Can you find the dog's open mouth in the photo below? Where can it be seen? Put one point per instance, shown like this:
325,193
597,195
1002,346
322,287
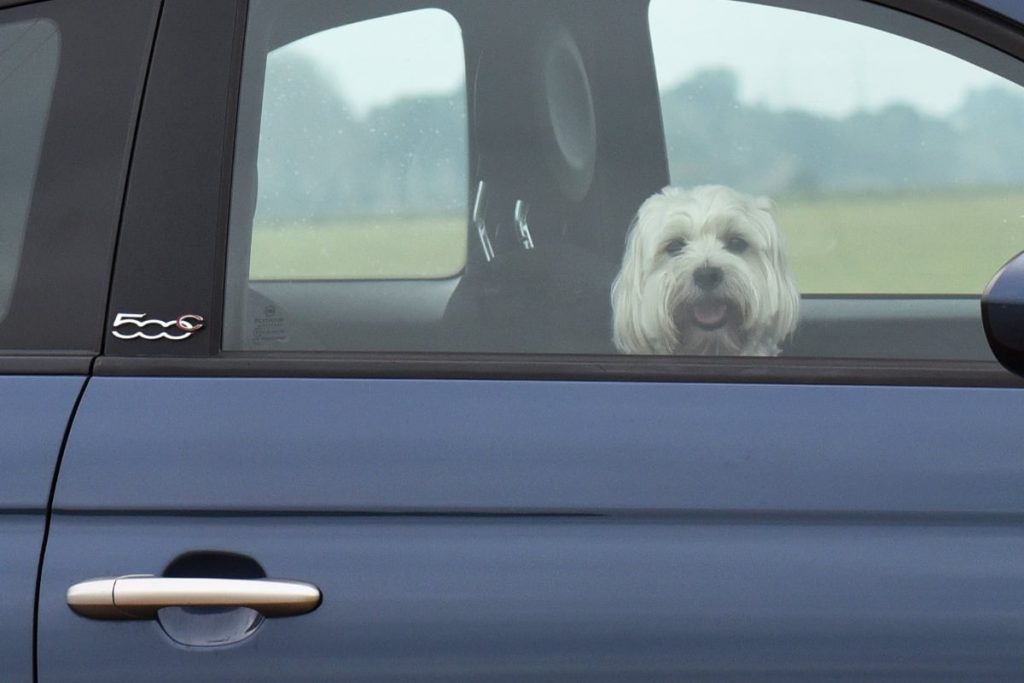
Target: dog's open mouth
708,314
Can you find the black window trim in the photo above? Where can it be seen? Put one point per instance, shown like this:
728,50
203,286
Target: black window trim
826,371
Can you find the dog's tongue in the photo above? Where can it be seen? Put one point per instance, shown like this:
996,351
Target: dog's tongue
709,313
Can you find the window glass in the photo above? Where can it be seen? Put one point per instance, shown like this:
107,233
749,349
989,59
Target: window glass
362,159
842,187
895,167
353,205
29,54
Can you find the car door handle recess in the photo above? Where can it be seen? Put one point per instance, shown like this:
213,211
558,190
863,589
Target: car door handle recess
139,597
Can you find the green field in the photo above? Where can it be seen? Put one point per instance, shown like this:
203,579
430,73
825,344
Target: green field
923,243
363,249
926,243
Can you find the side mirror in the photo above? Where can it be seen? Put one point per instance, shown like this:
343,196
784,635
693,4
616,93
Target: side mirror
1002,313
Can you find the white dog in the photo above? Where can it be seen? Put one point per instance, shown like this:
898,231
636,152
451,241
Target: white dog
704,273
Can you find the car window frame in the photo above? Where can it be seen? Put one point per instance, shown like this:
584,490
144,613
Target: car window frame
198,281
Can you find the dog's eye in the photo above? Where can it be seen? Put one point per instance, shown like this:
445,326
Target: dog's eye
736,245
675,247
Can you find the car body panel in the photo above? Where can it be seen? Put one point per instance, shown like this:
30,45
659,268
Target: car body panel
474,445
1009,8
509,530
542,598
34,414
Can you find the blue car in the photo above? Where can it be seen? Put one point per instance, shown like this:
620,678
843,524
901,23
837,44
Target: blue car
598,340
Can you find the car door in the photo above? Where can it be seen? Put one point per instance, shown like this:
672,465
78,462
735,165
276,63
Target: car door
67,111
359,352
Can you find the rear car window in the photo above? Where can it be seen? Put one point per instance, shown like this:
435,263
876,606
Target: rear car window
362,165
29,55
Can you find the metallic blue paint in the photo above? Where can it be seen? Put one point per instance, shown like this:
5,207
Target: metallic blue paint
535,598
443,446
34,413
694,531
1013,9
21,537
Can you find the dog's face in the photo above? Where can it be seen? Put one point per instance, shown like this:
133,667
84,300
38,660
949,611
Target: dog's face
704,273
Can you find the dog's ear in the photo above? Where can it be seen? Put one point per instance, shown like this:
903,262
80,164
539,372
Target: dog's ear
789,306
788,295
626,289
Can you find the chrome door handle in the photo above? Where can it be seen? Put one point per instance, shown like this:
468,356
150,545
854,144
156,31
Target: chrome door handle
140,596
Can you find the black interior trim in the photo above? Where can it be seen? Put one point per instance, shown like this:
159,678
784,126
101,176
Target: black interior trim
882,372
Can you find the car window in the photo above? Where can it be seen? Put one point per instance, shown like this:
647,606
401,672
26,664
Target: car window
29,55
351,175
895,167
763,182
362,168
361,217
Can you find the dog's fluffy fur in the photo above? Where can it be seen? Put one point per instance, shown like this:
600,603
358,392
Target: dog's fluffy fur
704,273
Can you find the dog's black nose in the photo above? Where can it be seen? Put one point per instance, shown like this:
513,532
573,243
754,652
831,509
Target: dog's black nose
707,277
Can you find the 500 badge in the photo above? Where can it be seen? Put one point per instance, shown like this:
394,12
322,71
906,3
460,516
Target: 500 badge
182,327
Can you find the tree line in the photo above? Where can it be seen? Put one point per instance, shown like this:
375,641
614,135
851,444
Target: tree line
713,137
318,159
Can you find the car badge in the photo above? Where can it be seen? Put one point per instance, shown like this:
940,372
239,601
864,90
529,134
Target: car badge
182,327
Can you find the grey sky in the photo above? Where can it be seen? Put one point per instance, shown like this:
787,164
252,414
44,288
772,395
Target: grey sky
378,61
